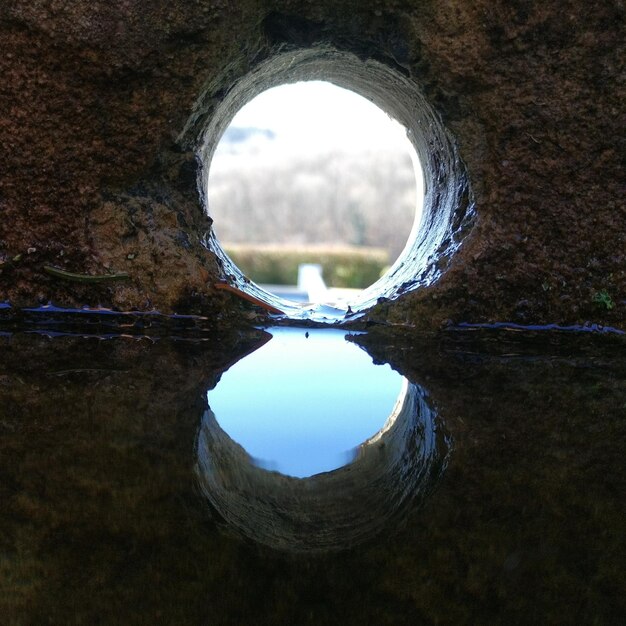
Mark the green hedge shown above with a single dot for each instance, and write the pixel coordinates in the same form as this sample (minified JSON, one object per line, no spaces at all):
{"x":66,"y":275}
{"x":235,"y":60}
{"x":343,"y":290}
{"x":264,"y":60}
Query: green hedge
{"x":346,"y":266}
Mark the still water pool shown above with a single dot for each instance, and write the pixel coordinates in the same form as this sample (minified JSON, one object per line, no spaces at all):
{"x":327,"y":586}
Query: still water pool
{"x":487,"y":485}
{"x":307,"y":445}
{"x":304,"y":402}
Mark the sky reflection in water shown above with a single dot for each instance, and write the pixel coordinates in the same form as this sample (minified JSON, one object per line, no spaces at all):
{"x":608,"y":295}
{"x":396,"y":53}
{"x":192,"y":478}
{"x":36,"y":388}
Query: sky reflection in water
{"x":301,"y":406}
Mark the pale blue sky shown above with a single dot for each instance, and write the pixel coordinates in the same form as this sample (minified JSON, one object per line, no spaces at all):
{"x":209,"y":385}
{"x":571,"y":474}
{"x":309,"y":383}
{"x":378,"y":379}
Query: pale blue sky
{"x":301,"y":405}
{"x":320,"y":114}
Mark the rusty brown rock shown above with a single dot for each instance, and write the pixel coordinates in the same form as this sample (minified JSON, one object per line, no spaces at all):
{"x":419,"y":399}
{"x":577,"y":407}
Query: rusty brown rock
{"x":94,"y":177}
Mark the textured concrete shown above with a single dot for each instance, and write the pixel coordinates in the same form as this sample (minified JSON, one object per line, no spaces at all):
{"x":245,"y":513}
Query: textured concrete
{"x":102,"y":106}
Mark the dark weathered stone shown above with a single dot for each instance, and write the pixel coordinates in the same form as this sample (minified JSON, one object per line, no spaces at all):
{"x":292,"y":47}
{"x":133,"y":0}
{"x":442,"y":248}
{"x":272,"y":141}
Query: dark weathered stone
{"x":98,"y":99}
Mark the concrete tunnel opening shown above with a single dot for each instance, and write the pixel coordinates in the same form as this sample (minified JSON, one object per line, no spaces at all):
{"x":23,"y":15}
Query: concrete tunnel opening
{"x":308,"y":205}
{"x":447,"y":202}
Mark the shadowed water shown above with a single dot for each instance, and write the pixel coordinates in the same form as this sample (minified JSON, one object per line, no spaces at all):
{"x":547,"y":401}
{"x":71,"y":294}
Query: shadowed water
{"x":124,"y":500}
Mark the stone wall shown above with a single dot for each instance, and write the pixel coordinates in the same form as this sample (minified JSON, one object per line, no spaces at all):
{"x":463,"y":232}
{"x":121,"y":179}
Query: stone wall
{"x":99,"y":168}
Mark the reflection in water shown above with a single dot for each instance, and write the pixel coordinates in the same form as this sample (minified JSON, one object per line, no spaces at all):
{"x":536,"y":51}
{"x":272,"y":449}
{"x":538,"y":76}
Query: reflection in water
{"x":399,"y":455}
{"x":302,"y":403}
{"x":102,"y":443}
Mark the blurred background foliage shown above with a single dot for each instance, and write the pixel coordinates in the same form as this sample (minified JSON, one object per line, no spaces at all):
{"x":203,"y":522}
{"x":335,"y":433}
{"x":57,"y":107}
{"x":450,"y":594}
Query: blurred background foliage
{"x":343,"y":266}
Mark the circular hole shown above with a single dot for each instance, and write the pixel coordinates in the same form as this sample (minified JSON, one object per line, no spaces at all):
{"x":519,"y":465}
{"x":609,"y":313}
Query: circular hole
{"x":447,"y":212}
{"x":314,"y":182}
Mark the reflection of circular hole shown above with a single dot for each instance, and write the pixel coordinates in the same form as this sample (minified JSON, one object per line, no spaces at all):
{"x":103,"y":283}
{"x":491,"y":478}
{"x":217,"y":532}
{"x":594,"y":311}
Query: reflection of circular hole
{"x":295,"y":179}
{"x":329,"y":511}
{"x":304,"y":404}
{"x":315,"y":379}
{"x":447,"y":207}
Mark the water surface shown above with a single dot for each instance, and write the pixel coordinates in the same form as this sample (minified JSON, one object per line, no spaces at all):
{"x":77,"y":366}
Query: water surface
{"x":119,"y":491}
{"x":303,"y":403}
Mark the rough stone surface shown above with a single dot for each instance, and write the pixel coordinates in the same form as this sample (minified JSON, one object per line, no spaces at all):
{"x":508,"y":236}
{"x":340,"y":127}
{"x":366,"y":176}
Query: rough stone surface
{"x":94,"y":179}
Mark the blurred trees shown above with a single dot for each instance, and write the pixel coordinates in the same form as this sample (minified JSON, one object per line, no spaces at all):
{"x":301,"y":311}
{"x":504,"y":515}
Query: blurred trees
{"x":365,"y":198}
